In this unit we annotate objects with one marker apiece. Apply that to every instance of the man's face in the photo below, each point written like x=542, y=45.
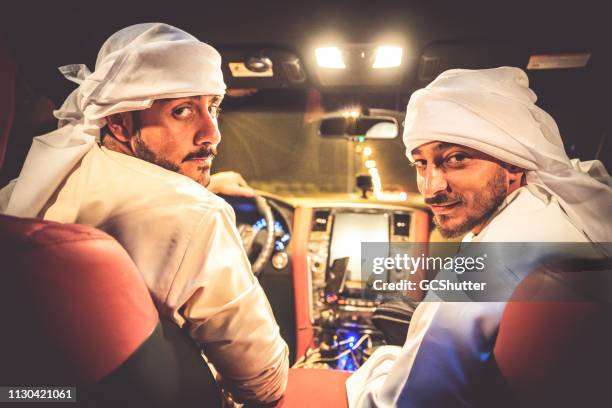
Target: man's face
x=180, y=135
x=462, y=186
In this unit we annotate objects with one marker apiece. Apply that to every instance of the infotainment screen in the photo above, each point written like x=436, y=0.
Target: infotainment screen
x=349, y=230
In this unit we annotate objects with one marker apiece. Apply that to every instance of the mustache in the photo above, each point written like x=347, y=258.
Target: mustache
x=443, y=198
x=210, y=151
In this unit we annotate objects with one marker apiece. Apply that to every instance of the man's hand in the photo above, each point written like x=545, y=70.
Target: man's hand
x=230, y=183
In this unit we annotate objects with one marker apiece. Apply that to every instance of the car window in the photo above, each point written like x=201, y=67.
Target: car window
x=275, y=144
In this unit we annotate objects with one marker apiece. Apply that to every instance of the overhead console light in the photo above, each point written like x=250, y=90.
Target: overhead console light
x=329, y=57
x=388, y=56
x=259, y=63
x=361, y=65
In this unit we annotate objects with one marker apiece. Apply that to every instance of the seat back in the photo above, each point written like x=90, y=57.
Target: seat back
x=554, y=346
x=76, y=312
x=7, y=97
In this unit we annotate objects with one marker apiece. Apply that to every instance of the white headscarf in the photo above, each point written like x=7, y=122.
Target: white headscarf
x=135, y=66
x=494, y=111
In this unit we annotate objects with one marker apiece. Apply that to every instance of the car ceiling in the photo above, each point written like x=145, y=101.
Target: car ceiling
x=467, y=34
x=58, y=33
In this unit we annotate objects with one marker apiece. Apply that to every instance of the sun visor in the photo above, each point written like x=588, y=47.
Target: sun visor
x=439, y=57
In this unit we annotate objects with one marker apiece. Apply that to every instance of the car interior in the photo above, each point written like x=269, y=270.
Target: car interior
x=313, y=120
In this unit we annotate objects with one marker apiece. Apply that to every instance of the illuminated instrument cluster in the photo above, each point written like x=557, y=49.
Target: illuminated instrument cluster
x=281, y=236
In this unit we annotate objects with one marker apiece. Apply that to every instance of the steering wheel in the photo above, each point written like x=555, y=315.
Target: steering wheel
x=259, y=239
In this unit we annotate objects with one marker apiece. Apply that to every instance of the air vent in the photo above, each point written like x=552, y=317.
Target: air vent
x=401, y=225
x=319, y=223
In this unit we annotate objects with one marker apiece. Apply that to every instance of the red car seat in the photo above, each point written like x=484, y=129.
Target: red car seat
x=554, y=347
x=75, y=312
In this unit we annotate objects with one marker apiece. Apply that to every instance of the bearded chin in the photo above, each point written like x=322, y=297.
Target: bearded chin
x=143, y=152
x=450, y=232
x=484, y=206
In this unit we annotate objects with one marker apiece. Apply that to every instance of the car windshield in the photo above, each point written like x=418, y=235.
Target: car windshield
x=273, y=141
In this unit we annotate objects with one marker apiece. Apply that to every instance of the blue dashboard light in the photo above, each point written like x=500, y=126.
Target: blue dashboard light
x=260, y=224
x=343, y=362
x=280, y=243
x=347, y=363
x=349, y=339
x=246, y=207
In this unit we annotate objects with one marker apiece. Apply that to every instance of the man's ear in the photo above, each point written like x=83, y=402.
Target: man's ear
x=516, y=175
x=121, y=126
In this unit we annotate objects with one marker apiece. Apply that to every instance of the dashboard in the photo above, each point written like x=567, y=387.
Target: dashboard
x=252, y=226
x=313, y=278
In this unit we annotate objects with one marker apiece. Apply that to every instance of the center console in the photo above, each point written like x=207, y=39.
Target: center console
x=339, y=307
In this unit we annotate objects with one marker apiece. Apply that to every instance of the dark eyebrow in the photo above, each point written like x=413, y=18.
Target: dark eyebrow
x=216, y=99
x=445, y=145
x=438, y=147
x=170, y=100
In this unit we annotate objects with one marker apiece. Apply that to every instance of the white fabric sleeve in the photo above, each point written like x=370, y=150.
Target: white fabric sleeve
x=191, y=257
x=380, y=380
x=446, y=352
x=228, y=312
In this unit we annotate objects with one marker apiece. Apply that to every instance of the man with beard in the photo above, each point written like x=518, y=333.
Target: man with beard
x=132, y=156
x=491, y=165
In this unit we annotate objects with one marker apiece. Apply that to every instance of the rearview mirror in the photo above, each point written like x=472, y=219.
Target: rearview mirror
x=355, y=126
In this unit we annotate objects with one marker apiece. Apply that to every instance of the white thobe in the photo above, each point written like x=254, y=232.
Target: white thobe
x=184, y=241
x=449, y=343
